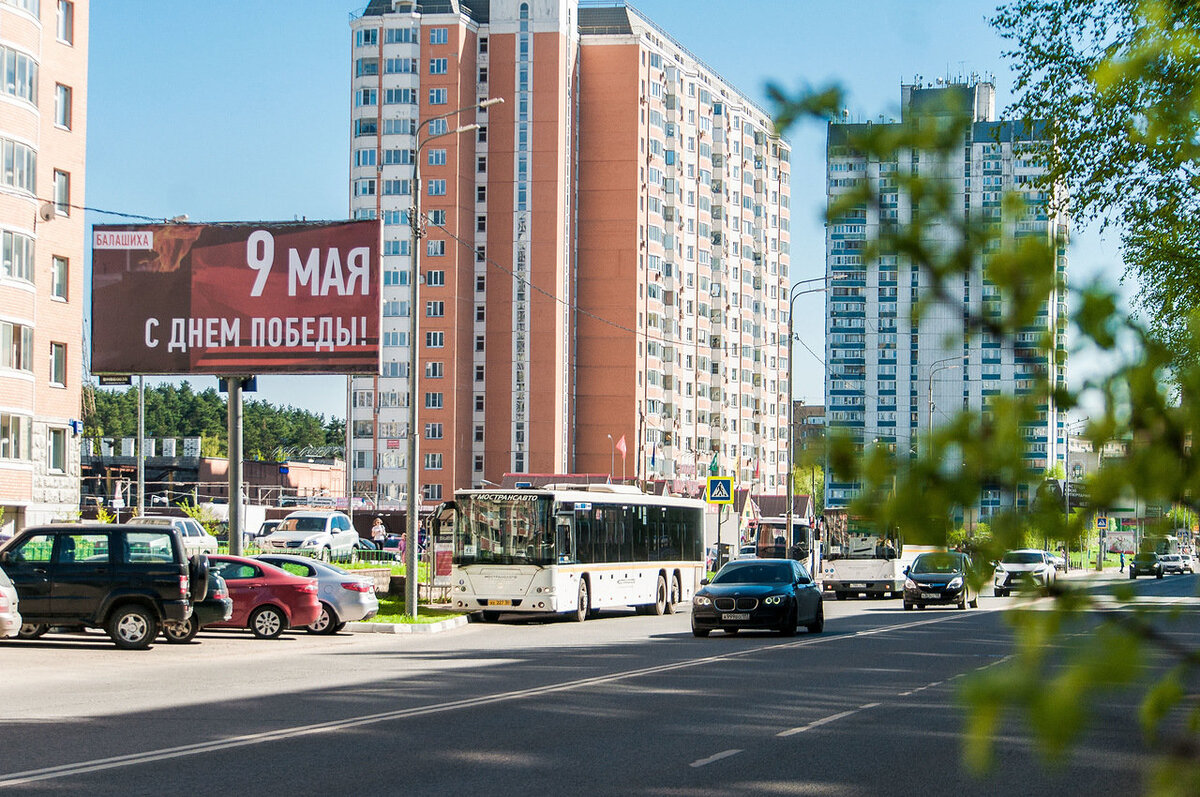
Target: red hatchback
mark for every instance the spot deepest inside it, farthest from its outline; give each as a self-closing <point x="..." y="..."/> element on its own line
<point x="266" y="600"/>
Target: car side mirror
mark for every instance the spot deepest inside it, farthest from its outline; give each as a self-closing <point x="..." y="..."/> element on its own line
<point x="703" y="581"/>
<point x="906" y="569"/>
<point x="4" y="557"/>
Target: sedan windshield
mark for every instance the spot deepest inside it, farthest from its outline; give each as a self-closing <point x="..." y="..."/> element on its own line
<point x="937" y="563"/>
<point x="755" y="573"/>
<point x="1018" y="558"/>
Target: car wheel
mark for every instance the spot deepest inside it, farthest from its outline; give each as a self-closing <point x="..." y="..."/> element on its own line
<point x="337" y="629"/>
<point x="907" y="606"/>
<point x="181" y="633"/>
<point x="1159" y="574"/>
<point x="1001" y="593"/>
<point x="962" y="600"/>
<point x="818" y="625"/>
<point x="326" y="622"/>
<point x="267" y="622"/>
<point x="975" y="602"/>
<point x="700" y="632"/>
<point x="32" y="630"/>
<point x="583" y="605"/>
<point x="132" y="627"/>
<point x="1132" y="574"/>
<point x="673" y="597"/>
<point x="791" y="622"/>
<point x="660" y="597"/>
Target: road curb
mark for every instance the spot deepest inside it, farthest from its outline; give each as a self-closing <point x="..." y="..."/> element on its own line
<point x="407" y="628"/>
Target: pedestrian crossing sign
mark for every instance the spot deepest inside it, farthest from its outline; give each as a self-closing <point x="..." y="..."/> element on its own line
<point x="720" y="490"/>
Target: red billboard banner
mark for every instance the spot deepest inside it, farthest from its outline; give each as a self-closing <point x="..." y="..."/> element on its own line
<point x="236" y="299"/>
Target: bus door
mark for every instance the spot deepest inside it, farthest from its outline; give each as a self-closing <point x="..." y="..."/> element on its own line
<point x="564" y="538"/>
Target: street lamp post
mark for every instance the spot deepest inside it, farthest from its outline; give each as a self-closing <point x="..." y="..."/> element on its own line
<point x="944" y="364"/>
<point x="612" y="456"/>
<point x="417" y="223"/>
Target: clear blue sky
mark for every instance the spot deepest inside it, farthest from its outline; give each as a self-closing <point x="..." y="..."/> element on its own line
<point x="239" y="110"/>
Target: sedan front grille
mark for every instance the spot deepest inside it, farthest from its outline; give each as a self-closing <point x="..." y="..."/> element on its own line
<point x="740" y="604"/>
<point x="725" y="604"/>
<point x="747" y="604"/>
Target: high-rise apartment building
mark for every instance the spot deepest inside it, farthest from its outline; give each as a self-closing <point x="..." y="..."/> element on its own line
<point x="604" y="259"/>
<point x="889" y="378"/>
<point x="43" y="101"/>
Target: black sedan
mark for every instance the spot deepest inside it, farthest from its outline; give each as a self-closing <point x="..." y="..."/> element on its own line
<point x="1146" y="563"/>
<point x="217" y="607"/>
<point x="939" y="578"/>
<point x="768" y="594"/>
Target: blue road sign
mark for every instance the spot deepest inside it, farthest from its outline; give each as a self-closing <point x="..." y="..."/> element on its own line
<point x="720" y="490"/>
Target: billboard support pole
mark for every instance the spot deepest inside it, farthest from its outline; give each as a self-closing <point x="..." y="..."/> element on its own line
<point x="235" y="465"/>
<point x="141" y="447"/>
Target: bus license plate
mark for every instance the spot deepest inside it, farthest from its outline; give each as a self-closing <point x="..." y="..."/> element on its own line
<point x="735" y="616"/>
<point x="499" y="603"/>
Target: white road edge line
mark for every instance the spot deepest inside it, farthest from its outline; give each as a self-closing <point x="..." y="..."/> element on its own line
<point x="130" y="759"/>
<point x="706" y="761"/>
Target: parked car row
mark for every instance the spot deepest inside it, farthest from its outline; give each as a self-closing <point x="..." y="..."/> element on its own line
<point x="138" y="580"/>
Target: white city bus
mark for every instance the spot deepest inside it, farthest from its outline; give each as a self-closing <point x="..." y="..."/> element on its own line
<point x="572" y="549"/>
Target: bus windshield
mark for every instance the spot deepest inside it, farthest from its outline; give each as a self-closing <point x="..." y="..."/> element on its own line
<point x="506" y="529"/>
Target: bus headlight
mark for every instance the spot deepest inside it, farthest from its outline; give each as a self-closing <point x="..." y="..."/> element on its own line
<point x="701" y="600"/>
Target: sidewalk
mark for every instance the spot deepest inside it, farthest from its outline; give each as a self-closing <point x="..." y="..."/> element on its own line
<point x="407" y="628"/>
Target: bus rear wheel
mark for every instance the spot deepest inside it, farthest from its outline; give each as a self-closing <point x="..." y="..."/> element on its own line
<point x="673" y="597"/>
<point x="583" y="607"/>
<point x="660" y="597"/>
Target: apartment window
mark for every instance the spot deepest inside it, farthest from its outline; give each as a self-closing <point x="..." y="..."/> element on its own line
<point x="479" y="314"/>
<point x="438" y="127"/>
<point x="435" y="370"/>
<point x="439" y="35"/>
<point x="14" y="436"/>
<point x="433" y="431"/>
<point x="16" y="346"/>
<point x="435" y="279"/>
<point x="62" y="192"/>
<point x="58" y="364"/>
<point x="433" y="462"/>
<point x="437" y="96"/>
<point x="481" y="135"/>
<point x="437" y="188"/>
<point x="481" y="164"/>
<point x="437" y="157"/>
<point x="434" y="401"/>
<point x="438" y="66"/>
<point x="364" y="188"/>
<point x="480" y="257"/>
<point x="437" y="218"/>
<point x="479" y="373"/>
<point x="66" y="22"/>
<point x="483" y="76"/>
<point x="365" y="98"/>
<point x="479" y="463"/>
<point x="431" y="492"/>
<point x="20" y="166"/>
<point x="479" y="343"/>
<point x="59" y="273"/>
<point x="435" y="248"/>
<point x="368" y="37"/>
<point x="481" y="193"/>
<point x="481" y="224"/>
<point x="18" y="256"/>
<point x="480" y="281"/>
<point x="58" y="451"/>
<point x="435" y="340"/>
<point x="62" y="105"/>
<point x="479" y="402"/>
<point x="483" y="44"/>
<point x="478" y="433"/>
<point x="435" y="309"/>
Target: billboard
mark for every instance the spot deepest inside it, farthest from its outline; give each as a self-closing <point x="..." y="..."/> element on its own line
<point x="236" y="299"/>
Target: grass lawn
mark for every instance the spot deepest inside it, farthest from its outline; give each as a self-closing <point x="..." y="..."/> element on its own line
<point x="391" y="610"/>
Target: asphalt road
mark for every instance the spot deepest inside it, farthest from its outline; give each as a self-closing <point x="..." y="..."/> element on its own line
<point x="624" y="704"/>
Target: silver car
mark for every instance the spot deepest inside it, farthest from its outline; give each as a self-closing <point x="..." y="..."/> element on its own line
<point x="195" y="538"/>
<point x="344" y="596"/>
<point x="10" y="618"/>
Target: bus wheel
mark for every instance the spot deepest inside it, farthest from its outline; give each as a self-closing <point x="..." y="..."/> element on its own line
<point x="660" y="597"/>
<point x="673" y="598"/>
<point x="583" y="607"/>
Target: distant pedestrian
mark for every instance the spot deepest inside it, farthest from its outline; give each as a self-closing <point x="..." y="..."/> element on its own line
<point x="1122" y="570"/>
<point x="378" y="533"/>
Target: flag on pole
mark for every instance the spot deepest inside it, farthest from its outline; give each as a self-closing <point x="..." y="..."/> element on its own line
<point x="653" y="455"/>
<point x="713" y="467"/>
<point x="621" y="447"/>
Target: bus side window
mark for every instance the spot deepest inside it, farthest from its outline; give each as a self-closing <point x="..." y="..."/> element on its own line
<point x="564" y="545"/>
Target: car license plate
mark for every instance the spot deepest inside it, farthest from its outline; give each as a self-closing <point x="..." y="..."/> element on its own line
<point x="857" y="586"/>
<point x="735" y="616"/>
<point x="499" y="603"/>
<point x="930" y="596"/>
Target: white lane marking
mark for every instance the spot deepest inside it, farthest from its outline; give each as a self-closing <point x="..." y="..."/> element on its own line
<point x="246" y="740"/>
<point x="818" y="723"/>
<point x="717" y="757"/>
<point x="866" y="706"/>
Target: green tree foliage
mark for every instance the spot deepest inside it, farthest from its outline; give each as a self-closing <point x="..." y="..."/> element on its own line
<point x="1067" y="655"/>
<point x="1118" y="82"/>
<point x="179" y="411"/>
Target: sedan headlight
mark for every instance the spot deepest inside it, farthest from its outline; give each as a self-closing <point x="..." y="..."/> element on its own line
<point x="773" y="600"/>
<point x="312" y="541"/>
<point x="955" y="583"/>
<point x="999" y="570"/>
<point x="701" y="600"/>
<point x="910" y="584"/>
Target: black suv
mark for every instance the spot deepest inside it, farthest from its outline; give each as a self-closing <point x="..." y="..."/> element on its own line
<point x="129" y="580"/>
<point x="1145" y="563"/>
